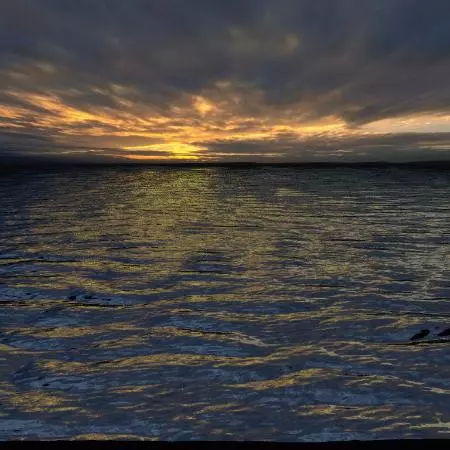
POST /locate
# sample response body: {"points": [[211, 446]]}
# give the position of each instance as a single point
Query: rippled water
{"points": [[212, 303]]}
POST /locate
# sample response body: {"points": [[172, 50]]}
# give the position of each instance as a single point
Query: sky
{"points": [[221, 81]]}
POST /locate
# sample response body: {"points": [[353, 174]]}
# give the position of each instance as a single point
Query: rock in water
{"points": [[420, 335], [444, 333]]}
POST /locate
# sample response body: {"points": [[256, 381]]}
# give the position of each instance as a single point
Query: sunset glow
{"points": [[266, 86]]}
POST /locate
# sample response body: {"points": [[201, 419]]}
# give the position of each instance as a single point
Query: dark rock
{"points": [[422, 334], [88, 297], [444, 333], [73, 297]]}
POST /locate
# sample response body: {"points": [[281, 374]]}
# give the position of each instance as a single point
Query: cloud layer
{"points": [[213, 80]]}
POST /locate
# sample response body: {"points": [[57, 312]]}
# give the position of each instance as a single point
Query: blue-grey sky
{"points": [[235, 80]]}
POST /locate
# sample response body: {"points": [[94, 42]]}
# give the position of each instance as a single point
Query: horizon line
{"points": [[61, 164]]}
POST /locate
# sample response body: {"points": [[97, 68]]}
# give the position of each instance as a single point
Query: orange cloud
{"points": [[223, 113]]}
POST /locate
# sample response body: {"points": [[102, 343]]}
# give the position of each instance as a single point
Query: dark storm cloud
{"points": [[384, 148], [358, 60], [33, 146]]}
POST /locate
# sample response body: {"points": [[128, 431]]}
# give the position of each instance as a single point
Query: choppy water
{"points": [[212, 303]]}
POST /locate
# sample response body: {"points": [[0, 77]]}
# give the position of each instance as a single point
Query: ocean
{"points": [[218, 303]]}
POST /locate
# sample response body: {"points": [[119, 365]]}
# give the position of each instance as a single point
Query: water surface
{"points": [[214, 303]]}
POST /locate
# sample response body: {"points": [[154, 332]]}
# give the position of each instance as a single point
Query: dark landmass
{"points": [[441, 165]]}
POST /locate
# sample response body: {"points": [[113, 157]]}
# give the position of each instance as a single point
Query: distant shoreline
{"points": [[45, 164]]}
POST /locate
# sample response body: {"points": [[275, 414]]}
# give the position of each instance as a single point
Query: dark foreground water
{"points": [[212, 303]]}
